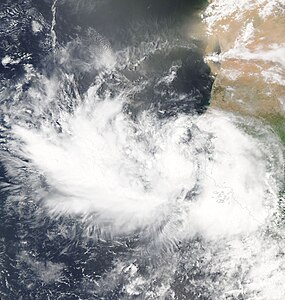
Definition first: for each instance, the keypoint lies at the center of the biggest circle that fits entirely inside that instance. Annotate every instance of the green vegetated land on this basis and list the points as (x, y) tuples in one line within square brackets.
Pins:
[(277, 122)]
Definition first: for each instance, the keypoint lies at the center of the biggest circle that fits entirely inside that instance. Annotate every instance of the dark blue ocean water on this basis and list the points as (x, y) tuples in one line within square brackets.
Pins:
[(57, 258)]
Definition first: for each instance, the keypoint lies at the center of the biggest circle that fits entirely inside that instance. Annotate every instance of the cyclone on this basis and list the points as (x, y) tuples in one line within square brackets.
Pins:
[(122, 175)]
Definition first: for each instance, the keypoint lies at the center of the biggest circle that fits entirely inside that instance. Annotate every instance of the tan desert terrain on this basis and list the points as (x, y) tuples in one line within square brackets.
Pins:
[(246, 52)]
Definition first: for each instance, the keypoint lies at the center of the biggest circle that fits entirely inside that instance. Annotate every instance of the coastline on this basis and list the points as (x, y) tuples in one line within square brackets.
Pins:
[(245, 49)]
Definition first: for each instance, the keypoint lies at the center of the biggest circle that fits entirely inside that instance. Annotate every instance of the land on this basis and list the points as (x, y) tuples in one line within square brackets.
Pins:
[(245, 49)]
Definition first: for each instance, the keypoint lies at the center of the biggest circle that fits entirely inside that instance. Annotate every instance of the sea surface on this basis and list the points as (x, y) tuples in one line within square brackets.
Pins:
[(119, 177)]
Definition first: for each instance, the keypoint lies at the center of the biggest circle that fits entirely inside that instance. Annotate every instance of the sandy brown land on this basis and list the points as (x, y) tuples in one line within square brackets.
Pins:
[(250, 67)]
